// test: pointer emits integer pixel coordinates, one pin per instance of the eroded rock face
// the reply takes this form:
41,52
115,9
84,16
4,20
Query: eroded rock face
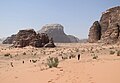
30,38
109,18
110,27
111,35
95,32
57,32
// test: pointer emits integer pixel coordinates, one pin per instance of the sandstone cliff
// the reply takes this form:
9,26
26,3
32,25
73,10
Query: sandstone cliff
107,30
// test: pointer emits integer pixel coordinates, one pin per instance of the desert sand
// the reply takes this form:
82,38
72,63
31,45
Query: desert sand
18,67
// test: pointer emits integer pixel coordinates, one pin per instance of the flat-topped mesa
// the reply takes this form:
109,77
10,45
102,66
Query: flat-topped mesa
57,32
29,37
52,27
110,26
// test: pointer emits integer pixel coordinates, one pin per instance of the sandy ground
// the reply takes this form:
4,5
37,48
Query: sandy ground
17,68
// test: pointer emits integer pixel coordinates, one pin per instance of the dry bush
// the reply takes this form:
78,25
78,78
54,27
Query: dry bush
52,62
94,56
112,52
118,53
6,55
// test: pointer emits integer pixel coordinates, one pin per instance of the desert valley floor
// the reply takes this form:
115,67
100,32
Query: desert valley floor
28,65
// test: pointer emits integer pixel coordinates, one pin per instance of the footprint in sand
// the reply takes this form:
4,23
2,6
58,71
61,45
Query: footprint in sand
90,77
50,81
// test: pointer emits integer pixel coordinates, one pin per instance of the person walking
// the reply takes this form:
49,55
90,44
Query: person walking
78,56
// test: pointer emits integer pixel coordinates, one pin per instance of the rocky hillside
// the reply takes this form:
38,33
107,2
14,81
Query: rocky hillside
107,30
57,32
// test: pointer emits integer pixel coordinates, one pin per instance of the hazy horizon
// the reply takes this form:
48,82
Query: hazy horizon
76,16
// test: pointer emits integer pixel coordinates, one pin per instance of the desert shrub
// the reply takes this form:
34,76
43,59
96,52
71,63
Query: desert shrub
77,50
92,52
60,54
91,48
52,62
24,53
6,55
73,56
95,56
35,53
112,52
83,50
97,50
64,57
118,53
11,56
34,61
111,47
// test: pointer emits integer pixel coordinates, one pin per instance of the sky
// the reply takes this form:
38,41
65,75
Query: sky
76,16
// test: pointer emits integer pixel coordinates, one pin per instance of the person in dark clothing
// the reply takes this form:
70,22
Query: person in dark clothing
78,56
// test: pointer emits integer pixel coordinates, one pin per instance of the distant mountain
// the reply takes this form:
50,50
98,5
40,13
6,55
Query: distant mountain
56,31
73,39
83,40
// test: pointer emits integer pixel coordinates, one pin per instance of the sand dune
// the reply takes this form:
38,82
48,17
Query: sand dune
105,69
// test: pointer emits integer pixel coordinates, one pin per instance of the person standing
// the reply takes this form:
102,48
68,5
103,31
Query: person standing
78,56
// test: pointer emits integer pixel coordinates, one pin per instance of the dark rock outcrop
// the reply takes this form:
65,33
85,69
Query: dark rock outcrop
57,32
110,27
95,32
9,40
30,38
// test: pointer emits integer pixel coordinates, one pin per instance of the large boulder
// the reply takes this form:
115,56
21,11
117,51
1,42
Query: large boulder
110,27
56,31
50,44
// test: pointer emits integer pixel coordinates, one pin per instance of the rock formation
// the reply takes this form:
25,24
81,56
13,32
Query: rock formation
50,44
9,40
29,38
110,27
57,32
95,32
